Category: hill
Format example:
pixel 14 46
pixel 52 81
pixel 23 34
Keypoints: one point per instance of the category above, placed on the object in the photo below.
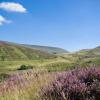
pixel 84 57
pixel 88 56
pixel 51 50
pixel 12 51
pixel 88 53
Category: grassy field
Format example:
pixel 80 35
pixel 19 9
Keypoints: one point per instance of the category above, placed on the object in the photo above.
pixel 24 79
pixel 40 76
pixel 32 80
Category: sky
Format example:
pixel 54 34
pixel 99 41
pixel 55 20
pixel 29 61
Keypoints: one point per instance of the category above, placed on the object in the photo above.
pixel 69 24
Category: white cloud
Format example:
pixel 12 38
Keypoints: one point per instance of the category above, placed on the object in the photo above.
pixel 4 20
pixel 12 7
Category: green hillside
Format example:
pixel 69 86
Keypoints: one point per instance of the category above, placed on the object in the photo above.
pixel 88 56
pixel 88 53
pixel 51 50
pixel 11 51
pixel 84 57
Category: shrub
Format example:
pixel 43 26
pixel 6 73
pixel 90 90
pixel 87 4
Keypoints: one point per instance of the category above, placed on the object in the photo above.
pixel 24 67
pixel 78 84
pixel 4 76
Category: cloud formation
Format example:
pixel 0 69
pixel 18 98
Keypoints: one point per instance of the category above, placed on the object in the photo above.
pixel 4 20
pixel 12 7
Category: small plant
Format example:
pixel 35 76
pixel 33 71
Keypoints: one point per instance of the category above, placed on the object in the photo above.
pixel 24 67
pixel 4 76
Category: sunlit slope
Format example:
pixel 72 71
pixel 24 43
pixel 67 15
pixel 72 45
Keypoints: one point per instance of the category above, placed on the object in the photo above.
pixel 84 57
pixel 89 53
pixel 51 50
pixel 11 51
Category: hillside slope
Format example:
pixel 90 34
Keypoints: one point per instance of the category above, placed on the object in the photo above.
pixel 51 50
pixel 11 51
pixel 88 53
pixel 84 56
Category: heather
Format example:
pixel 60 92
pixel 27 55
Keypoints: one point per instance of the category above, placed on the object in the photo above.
pixel 24 85
pixel 17 81
pixel 78 84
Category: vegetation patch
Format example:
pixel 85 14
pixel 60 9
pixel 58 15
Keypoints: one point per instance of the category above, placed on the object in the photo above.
pixel 4 76
pixel 78 84
pixel 25 67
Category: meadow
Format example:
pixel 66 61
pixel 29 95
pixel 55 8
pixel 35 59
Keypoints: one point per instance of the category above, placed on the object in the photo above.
pixel 30 80
pixel 36 75
pixel 27 84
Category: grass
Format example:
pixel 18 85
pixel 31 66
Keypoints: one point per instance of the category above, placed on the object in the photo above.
pixel 25 84
pixel 30 92
pixel 42 74
pixel 43 68
pixel 37 64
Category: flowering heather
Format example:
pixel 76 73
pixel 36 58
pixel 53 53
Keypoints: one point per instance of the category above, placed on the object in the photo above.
pixel 17 81
pixel 78 84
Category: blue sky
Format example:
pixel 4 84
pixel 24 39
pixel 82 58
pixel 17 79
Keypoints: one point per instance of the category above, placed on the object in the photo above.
pixel 69 24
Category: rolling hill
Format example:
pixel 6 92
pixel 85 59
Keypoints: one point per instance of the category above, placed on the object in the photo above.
pixel 88 53
pixel 13 51
pixel 84 56
pixel 88 56
pixel 51 50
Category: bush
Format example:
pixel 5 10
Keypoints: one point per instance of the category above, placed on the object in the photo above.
pixel 24 67
pixel 78 84
pixel 4 76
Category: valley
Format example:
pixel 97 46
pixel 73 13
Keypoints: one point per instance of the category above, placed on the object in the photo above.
pixel 31 69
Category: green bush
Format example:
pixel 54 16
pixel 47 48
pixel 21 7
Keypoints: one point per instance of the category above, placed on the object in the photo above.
pixel 25 67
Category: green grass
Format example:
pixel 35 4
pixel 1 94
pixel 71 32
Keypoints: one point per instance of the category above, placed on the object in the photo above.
pixel 37 64
pixel 43 69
